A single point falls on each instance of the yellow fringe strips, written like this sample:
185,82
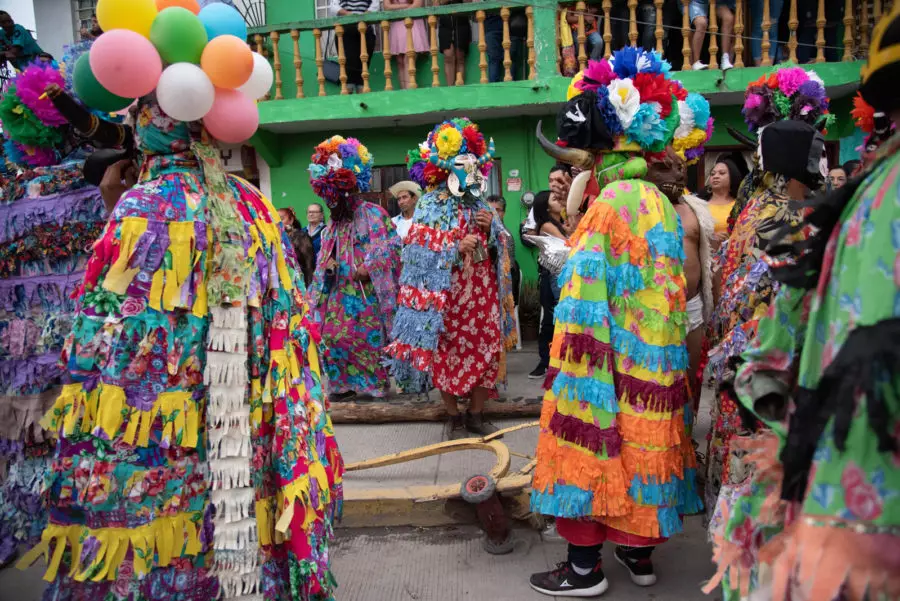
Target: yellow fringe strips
105,407
273,238
182,256
163,539
268,512
605,478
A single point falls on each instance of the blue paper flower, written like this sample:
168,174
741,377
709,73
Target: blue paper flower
646,128
608,112
700,106
625,62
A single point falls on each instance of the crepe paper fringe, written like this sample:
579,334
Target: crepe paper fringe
599,353
642,395
50,292
226,474
20,376
552,373
242,535
226,369
602,218
233,505
648,521
595,439
587,390
418,329
680,493
427,269
639,430
105,409
421,299
152,545
666,244
21,415
581,312
84,204
662,464
593,265
667,358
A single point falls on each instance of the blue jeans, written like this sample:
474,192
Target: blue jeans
493,37
756,32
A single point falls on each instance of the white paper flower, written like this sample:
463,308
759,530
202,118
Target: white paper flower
686,120
643,63
815,77
334,162
625,99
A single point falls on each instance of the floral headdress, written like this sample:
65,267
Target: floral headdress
694,129
876,125
636,98
786,93
448,140
32,127
340,166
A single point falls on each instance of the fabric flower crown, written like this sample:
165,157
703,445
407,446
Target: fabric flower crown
446,141
33,129
786,93
342,163
637,99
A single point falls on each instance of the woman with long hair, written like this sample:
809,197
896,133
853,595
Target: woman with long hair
300,240
548,219
724,180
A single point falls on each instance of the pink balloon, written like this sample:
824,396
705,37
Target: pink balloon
125,63
233,117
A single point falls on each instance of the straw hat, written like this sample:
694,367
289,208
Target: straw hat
406,186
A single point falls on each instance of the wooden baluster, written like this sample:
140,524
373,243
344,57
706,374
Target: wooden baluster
435,66
298,63
876,7
820,33
580,8
482,48
793,23
276,65
558,52
342,59
738,34
713,36
849,21
864,27
364,55
659,32
632,22
261,49
529,42
607,29
386,51
320,61
686,35
507,44
766,43
410,54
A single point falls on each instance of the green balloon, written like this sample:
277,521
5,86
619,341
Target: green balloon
178,35
90,92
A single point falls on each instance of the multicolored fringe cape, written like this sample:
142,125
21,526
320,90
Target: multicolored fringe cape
428,257
48,219
613,445
820,516
195,449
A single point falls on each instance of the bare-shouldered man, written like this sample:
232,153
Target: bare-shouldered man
669,177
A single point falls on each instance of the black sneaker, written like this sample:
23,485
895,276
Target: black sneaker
566,582
455,427
476,424
539,372
641,570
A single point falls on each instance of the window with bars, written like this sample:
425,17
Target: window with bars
83,10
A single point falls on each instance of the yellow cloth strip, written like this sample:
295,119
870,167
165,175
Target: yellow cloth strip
105,408
164,539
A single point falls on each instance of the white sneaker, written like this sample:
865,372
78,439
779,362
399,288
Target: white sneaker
726,62
699,66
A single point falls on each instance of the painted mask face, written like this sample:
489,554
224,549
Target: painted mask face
465,176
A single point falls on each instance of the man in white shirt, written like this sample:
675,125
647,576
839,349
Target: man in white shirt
407,194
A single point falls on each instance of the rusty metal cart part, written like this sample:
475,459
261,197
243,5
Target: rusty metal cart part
481,491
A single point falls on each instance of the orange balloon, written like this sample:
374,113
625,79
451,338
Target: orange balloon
228,61
191,5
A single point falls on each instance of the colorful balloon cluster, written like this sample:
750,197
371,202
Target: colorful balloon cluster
195,59
33,130
448,139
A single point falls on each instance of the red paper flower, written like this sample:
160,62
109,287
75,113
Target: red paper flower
654,87
474,140
863,114
434,174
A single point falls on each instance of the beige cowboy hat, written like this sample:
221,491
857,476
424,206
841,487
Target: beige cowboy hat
407,186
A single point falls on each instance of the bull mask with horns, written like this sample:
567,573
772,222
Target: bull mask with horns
465,171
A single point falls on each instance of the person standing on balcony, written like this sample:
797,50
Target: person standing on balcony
352,39
756,30
698,12
315,219
354,289
493,37
407,195
455,320
454,39
568,37
397,37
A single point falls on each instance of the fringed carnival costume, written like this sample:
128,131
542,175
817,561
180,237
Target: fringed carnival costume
614,458
792,94
195,456
455,319
354,312
49,216
820,517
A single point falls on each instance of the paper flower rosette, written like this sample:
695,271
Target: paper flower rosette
341,166
33,130
786,93
459,136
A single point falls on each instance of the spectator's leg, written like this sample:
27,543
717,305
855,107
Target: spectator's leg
353,65
774,16
519,69
461,64
834,16
700,25
619,14
756,8
450,65
493,37
646,15
400,70
726,29
595,43
806,30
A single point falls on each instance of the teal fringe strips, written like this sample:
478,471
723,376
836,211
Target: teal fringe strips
565,501
670,522
583,312
588,390
667,244
668,358
594,266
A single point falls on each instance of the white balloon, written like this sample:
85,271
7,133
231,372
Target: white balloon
261,79
184,92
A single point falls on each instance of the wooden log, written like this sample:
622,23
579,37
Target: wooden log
412,408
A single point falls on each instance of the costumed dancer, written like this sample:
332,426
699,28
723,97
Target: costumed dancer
789,93
877,126
354,290
820,518
614,458
195,456
49,216
455,320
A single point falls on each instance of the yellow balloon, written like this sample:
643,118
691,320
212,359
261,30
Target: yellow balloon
572,92
136,15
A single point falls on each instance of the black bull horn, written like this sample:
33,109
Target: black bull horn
571,156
